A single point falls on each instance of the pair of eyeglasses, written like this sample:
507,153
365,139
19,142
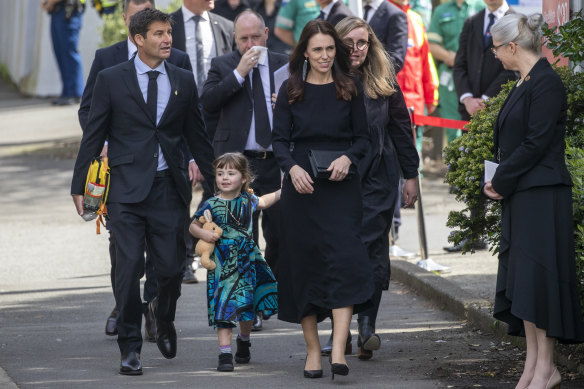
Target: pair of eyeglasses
360,44
494,49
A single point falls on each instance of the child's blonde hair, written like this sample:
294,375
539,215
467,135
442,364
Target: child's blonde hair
238,162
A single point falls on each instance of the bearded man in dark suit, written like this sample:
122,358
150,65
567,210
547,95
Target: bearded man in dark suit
146,108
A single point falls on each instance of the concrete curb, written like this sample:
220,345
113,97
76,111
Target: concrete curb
5,381
478,312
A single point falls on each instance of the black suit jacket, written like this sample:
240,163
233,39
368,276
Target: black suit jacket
222,32
233,102
390,25
118,112
529,134
338,12
476,70
114,55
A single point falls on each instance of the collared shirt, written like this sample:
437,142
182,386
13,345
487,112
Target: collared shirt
499,13
265,75
163,95
294,14
131,49
209,47
374,7
327,10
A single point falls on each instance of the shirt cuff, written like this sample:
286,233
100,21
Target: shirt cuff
464,96
240,79
191,161
485,97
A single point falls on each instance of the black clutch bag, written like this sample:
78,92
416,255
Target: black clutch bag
320,160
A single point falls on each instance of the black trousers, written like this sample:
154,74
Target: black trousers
157,221
268,180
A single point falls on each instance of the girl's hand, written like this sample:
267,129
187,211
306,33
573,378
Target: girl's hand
339,168
301,180
210,236
490,192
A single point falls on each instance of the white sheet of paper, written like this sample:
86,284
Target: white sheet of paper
490,168
280,76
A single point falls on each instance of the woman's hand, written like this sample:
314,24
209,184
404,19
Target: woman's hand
301,180
490,192
410,192
339,168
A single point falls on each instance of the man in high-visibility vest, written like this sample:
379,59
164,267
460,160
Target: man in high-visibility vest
66,21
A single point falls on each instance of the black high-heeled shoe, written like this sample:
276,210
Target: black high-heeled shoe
311,373
339,368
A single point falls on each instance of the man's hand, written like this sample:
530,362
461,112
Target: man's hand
48,5
490,192
78,201
473,104
449,60
103,153
194,173
248,60
410,192
301,180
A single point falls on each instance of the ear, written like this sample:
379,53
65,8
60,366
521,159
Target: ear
138,40
208,216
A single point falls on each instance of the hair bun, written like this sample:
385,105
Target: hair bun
534,22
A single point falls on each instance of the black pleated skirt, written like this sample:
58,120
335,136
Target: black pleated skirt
536,280
322,262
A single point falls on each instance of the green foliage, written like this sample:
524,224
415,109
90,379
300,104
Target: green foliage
465,156
114,29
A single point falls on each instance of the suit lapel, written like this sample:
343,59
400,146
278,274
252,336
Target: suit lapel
217,34
174,90
332,11
378,16
131,81
479,35
121,54
509,103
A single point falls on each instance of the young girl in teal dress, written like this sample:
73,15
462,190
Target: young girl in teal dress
242,282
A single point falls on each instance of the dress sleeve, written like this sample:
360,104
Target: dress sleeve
281,134
361,141
202,209
253,200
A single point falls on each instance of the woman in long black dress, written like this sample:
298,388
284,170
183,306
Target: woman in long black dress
324,265
391,154
536,283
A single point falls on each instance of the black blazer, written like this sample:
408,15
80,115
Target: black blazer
224,95
529,134
118,112
476,70
390,25
222,32
114,55
338,12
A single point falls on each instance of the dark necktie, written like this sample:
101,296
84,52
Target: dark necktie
487,37
263,133
152,95
367,9
321,15
201,76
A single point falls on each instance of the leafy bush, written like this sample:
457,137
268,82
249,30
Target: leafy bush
114,29
465,156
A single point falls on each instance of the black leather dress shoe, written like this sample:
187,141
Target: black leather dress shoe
480,245
166,338
150,326
189,276
257,323
130,364
111,324
328,347
368,339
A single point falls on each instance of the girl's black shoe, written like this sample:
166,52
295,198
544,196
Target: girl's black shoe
225,362
340,369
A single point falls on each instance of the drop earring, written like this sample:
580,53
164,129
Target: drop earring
304,69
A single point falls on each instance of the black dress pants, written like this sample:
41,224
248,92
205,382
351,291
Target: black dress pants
268,180
157,221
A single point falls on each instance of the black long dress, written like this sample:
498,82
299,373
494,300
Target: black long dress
323,263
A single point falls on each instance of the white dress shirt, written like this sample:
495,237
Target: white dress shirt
209,47
265,76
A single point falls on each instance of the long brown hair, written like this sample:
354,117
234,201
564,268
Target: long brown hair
344,85
377,70
238,162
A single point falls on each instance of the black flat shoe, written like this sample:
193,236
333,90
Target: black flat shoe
130,364
311,373
340,369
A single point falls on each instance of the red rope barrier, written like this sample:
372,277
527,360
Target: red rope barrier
421,120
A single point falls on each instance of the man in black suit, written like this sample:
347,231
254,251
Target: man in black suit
477,74
105,58
390,25
245,115
333,11
146,108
